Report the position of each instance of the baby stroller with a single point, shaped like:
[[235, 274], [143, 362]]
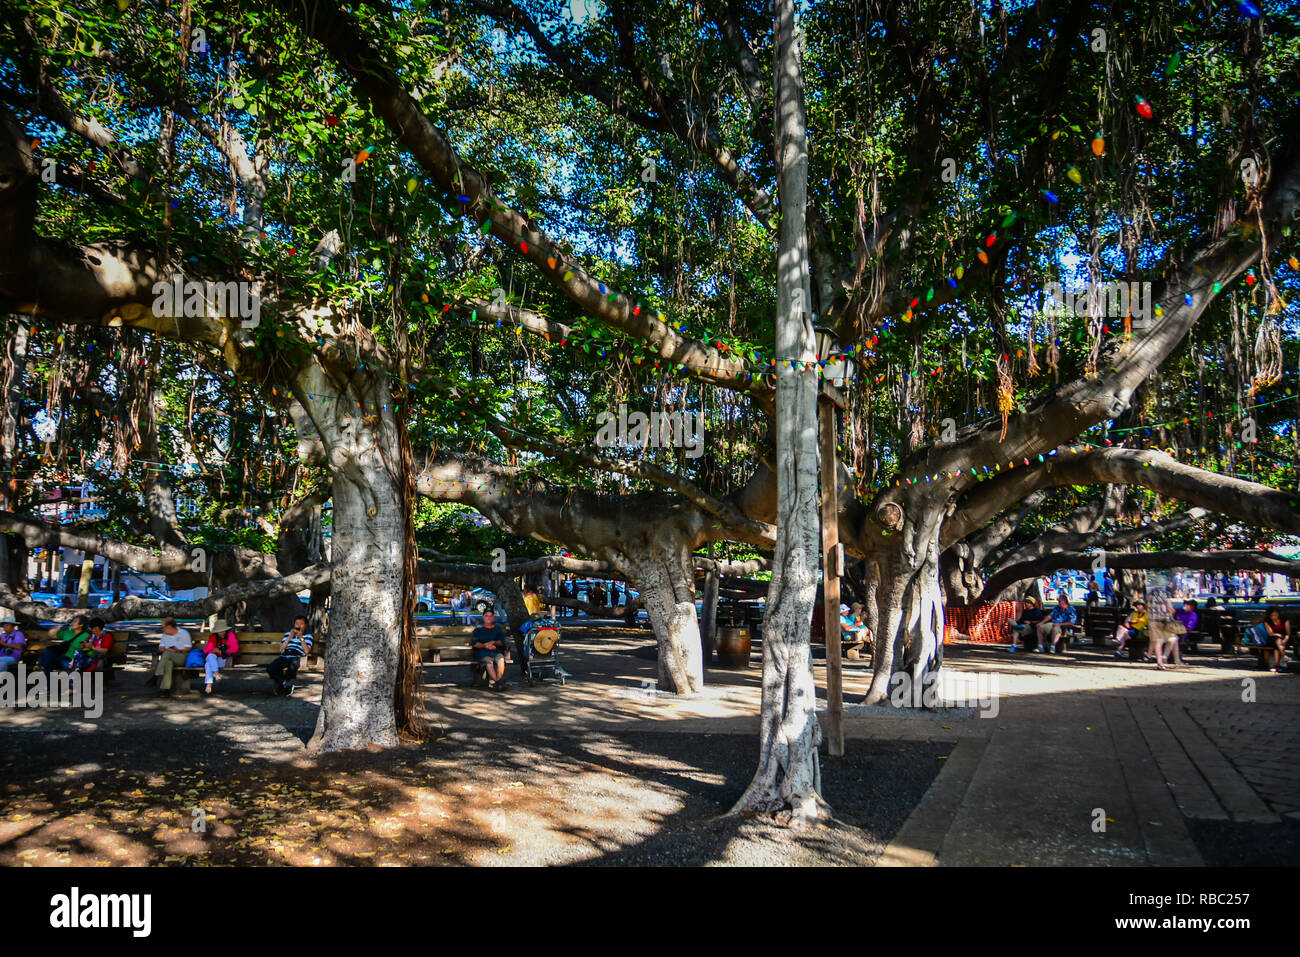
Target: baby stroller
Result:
[[538, 658]]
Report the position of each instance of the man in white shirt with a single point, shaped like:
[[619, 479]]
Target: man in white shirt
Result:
[[174, 649]]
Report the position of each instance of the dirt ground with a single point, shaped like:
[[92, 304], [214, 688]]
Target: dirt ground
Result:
[[468, 798], [602, 771]]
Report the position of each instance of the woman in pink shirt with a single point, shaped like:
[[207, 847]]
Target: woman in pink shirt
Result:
[[223, 644]]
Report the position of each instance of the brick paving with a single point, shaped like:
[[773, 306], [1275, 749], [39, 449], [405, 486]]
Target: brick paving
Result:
[[1175, 759]]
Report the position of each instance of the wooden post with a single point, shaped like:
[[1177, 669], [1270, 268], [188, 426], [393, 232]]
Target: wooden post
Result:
[[830, 579]]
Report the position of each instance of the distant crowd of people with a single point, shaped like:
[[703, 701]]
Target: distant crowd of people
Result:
[[1160, 619]]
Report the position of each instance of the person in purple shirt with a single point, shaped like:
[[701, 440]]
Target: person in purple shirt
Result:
[[12, 644], [1187, 615]]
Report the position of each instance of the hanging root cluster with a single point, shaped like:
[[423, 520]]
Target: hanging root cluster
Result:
[[406, 697], [1006, 392], [1268, 356], [1094, 347]]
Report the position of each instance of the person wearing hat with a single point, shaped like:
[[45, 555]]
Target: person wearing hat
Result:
[[1026, 624], [12, 644], [1132, 627], [222, 646]]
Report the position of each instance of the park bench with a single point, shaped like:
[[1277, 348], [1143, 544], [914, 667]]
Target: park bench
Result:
[[1290, 613], [256, 648], [116, 655], [1217, 624], [1100, 623], [260, 648], [436, 639]]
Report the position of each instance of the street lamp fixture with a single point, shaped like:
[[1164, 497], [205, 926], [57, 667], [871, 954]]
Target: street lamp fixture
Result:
[[840, 367]]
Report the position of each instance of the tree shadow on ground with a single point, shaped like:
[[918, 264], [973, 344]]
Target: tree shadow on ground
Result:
[[480, 796]]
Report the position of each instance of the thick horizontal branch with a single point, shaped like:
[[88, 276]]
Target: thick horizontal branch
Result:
[[133, 607], [37, 533], [1253, 559]]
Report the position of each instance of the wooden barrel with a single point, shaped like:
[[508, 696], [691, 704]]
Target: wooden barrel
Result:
[[733, 647]]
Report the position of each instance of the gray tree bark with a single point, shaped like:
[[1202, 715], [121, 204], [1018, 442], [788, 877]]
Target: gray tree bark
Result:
[[788, 779], [367, 581]]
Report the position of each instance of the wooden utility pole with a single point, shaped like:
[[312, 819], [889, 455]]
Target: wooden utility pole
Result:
[[831, 562]]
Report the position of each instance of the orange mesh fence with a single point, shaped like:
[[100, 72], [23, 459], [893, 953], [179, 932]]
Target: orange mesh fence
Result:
[[980, 622]]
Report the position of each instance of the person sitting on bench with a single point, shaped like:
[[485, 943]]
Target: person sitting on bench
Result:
[[1027, 622], [489, 643], [12, 645], [1131, 627], [861, 631], [173, 649], [94, 650], [295, 643], [222, 646], [1053, 630], [58, 657], [1279, 635], [1188, 618]]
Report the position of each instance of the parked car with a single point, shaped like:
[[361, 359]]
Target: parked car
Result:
[[480, 599], [96, 598]]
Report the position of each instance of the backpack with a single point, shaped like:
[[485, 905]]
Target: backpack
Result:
[[194, 659], [1257, 635]]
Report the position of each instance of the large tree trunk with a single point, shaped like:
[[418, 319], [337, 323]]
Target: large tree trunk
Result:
[[367, 582], [664, 573], [909, 607], [788, 779]]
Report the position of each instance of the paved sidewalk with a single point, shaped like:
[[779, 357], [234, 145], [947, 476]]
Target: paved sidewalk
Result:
[[1092, 761]]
